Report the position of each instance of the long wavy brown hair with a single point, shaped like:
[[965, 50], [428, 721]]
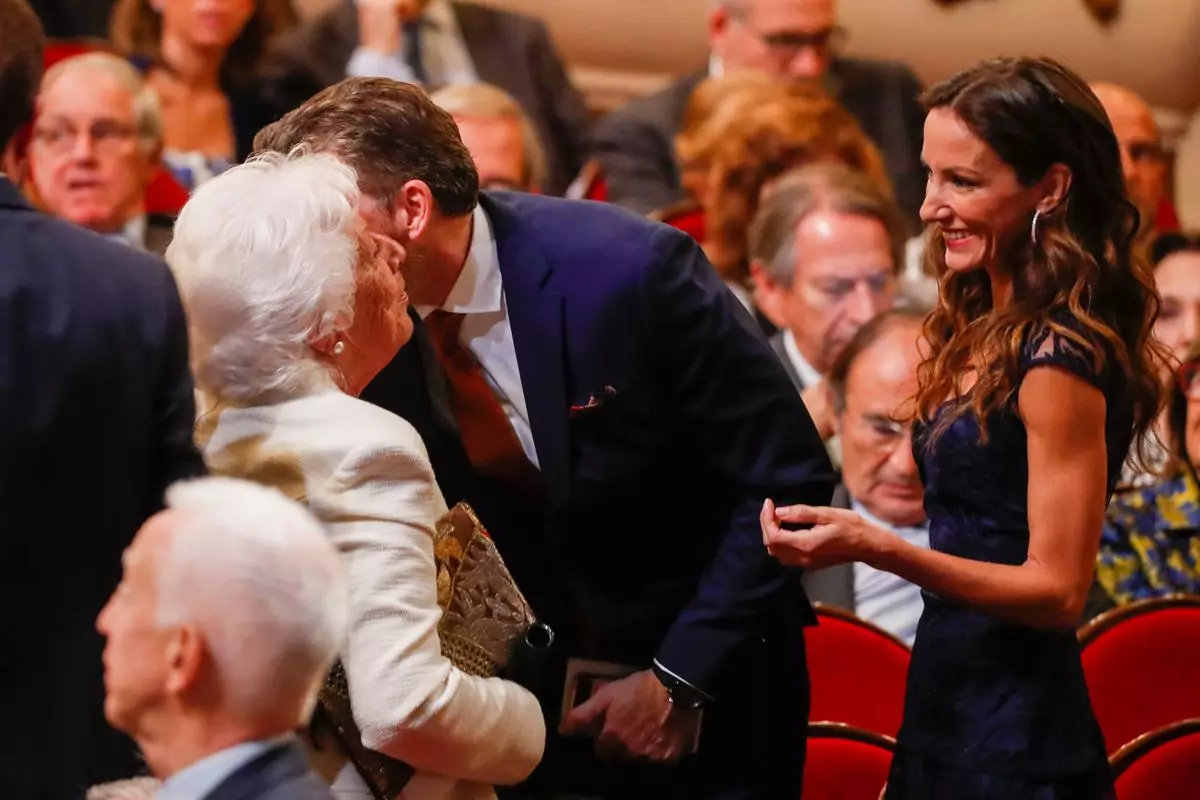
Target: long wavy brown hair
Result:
[[1034, 113], [136, 31]]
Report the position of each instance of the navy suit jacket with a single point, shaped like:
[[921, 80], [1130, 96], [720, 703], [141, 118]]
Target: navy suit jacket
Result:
[[96, 419], [647, 543], [281, 773]]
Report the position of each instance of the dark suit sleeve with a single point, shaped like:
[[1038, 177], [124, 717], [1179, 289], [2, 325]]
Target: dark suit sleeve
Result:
[[638, 160], [910, 193], [570, 121], [175, 456], [734, 399]]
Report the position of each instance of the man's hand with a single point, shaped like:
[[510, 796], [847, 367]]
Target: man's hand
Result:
[[633, 719], [380, 21]]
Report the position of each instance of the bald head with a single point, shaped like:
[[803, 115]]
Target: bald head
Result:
[[1141, 145]]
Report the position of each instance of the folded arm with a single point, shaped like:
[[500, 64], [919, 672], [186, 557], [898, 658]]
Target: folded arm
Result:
[[409, 701]]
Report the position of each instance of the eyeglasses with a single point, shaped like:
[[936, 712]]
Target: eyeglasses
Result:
[[786, 45], [107, 136]]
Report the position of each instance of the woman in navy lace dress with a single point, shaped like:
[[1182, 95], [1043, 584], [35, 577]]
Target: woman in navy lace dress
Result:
[[1041, 371]]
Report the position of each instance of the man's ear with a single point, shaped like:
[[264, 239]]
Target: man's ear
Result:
[[768, 295], [186, 654], [1055, 186], [413, 208]]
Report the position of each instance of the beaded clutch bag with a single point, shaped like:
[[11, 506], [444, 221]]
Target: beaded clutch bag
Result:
[[487, 629]]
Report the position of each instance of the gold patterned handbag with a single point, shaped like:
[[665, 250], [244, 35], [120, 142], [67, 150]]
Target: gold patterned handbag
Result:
[[487, 629]]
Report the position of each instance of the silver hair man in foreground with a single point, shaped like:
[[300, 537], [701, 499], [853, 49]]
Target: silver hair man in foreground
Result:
[[231, 608]]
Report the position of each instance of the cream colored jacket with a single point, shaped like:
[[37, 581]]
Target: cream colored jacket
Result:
[[365, 473]]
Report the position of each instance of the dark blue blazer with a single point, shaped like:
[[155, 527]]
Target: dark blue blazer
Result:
[[647, 544], [96, 418], [281, 773]]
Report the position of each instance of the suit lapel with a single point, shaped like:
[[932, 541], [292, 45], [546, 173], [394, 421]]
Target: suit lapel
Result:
[[535, 314]]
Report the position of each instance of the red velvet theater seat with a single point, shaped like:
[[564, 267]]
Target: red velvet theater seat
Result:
[[1163, 765], [686, 215], [1142, 664], [858, 672], [845, 763]]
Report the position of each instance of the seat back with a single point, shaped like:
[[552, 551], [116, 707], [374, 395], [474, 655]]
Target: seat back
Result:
[[858, 672], [590, 184], [686, 215], [845, 763], [1142, 665], [1160, 765]]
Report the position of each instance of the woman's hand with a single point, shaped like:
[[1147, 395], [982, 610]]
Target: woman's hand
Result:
[[837, 536]]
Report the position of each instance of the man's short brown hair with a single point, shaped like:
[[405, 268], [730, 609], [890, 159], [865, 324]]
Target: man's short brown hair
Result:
[[21, 43], [390, 133]]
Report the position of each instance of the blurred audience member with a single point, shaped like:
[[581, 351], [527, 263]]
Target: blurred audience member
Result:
[[231, 609], [872, 384], [440, 43], [1151, 541], [201, 59], [747, 150], [710, 107], [96, 145], [1177, 276], [281, 388], [74, 19], [131, 789], [1142, 157], [97, 422], [501, 139], [795, 41], [826, 248]]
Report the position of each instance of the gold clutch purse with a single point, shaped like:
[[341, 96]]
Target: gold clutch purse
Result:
[[487, 629]]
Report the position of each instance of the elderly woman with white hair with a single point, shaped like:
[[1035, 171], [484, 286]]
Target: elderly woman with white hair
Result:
[[293, 308]]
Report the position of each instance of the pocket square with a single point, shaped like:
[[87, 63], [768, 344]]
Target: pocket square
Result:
[[594, 401]]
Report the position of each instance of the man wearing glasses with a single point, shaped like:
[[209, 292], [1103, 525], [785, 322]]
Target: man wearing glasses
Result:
[[1142, 156], [795, 40], [96, 144], [870, 388]]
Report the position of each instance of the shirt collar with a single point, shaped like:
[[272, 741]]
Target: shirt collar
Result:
[[715, 68], [871, 519], [135, 231], [807, 372], [198, 780], [479, 288]]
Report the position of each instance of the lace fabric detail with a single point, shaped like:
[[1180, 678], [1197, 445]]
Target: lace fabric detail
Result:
[[1048, 346]]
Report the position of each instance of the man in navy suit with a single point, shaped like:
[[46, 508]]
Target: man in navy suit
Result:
[[585, 380], [96, 419]]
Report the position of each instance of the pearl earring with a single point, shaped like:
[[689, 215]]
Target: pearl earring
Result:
[[1033, 228], [339, 348]]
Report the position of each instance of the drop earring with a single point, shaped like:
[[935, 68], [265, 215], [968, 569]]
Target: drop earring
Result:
[[1033, 228], [339, 347]]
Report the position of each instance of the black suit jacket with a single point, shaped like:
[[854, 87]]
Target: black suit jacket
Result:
[[510, 50], [71, 19], [637, 142], [281, 773], [97, 421], [661, 420]]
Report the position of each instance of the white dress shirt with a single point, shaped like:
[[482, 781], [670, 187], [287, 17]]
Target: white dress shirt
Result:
[[880, 597], [444, 54], [198, 780], [479, 295]]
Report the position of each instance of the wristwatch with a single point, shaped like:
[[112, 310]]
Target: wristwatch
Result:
[[681, 693]]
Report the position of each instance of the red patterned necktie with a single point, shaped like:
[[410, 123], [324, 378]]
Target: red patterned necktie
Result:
[[487, 435]]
